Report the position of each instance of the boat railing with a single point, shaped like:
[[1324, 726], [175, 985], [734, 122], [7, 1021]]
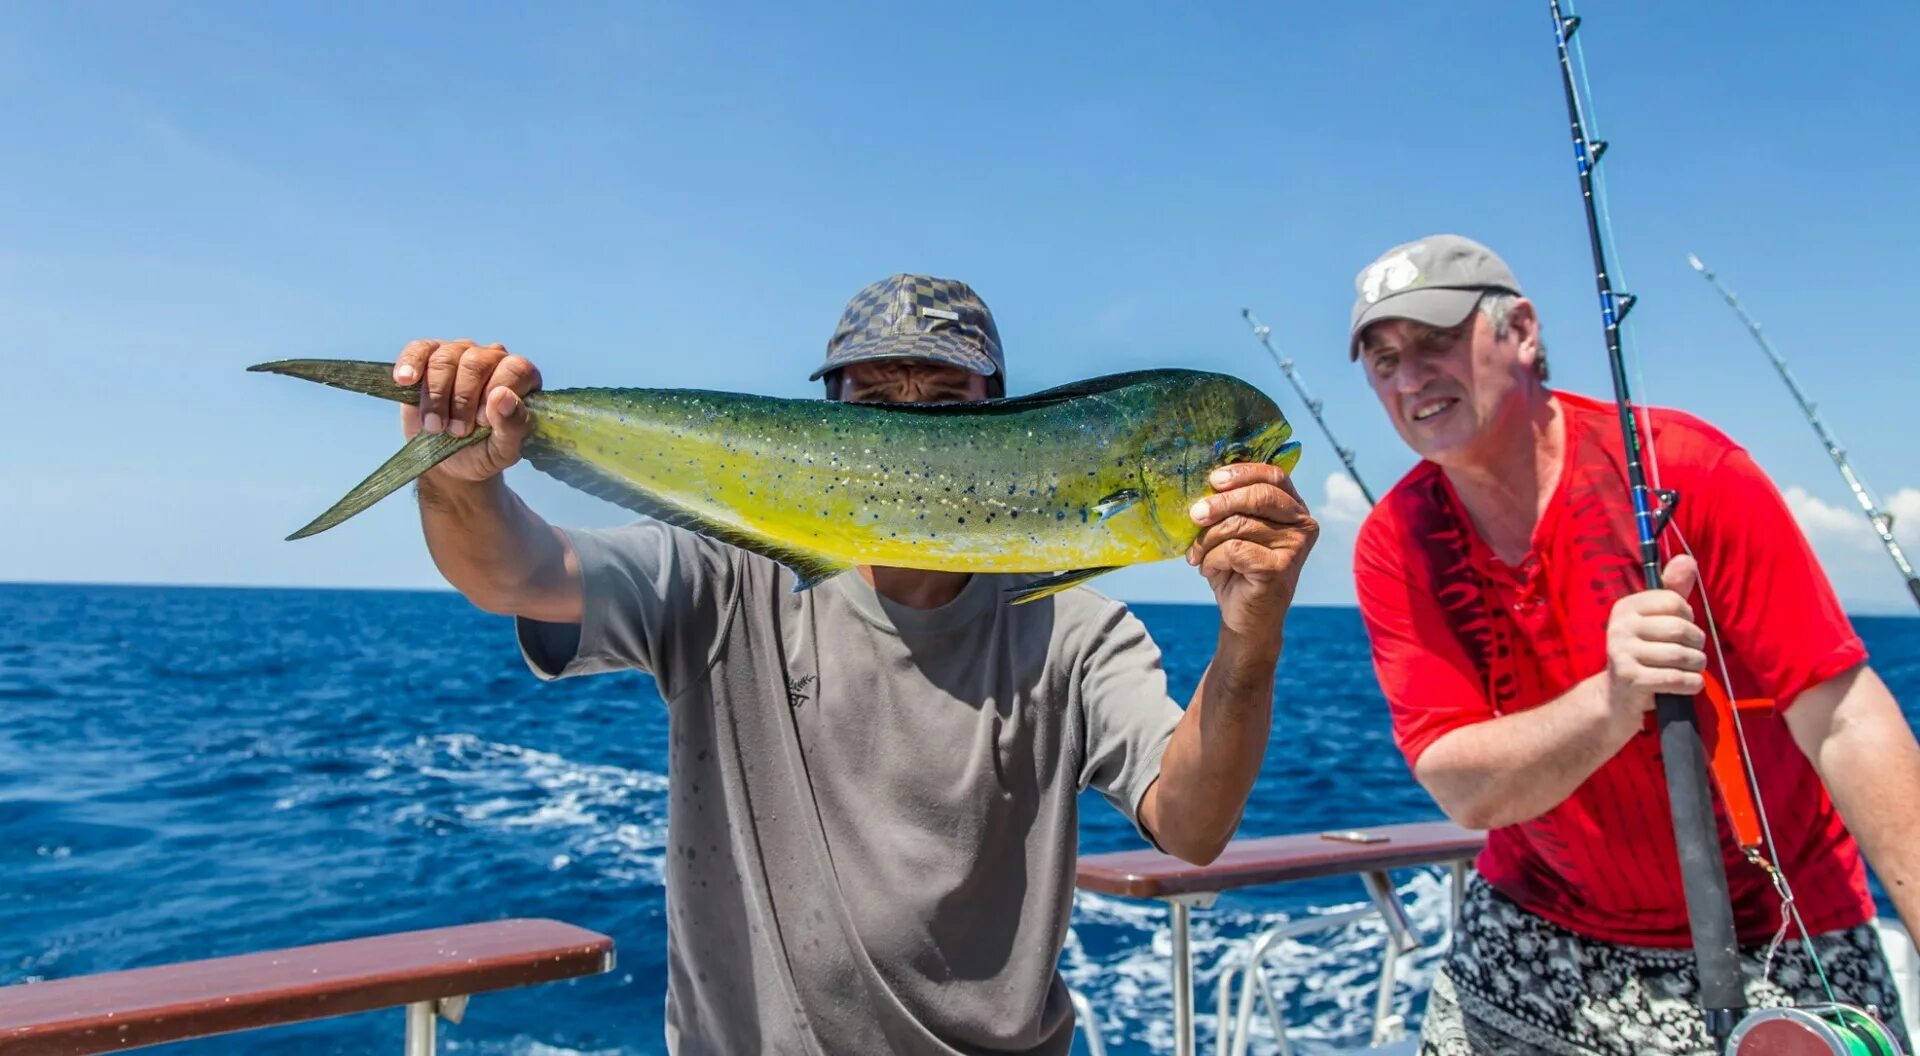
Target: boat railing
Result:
[[1367, 853], [1246, 963], [430, 973]]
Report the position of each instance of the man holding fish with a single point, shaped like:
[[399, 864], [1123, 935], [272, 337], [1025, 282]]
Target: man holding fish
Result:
[[1521, 658], [874, 780]]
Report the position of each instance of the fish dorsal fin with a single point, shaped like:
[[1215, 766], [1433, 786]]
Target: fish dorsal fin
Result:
[[1046, 397], [809, 569], [1054, 584]]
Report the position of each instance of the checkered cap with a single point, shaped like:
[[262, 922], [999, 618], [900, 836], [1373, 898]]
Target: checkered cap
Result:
[[917, 317]]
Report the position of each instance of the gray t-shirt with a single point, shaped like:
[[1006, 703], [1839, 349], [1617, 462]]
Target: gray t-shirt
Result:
[[873, 811]]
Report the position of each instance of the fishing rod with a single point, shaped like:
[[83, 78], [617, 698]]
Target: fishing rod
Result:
[[1313, 406], [1703, 874], [1732, 1028], [1882, 521]]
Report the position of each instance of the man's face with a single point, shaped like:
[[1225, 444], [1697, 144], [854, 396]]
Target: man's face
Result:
[[1448, 391], [910, 381]]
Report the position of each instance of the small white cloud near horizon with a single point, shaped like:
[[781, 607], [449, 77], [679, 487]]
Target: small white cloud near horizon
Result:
[[1851, 551], [1827, 523], [1345, 503]]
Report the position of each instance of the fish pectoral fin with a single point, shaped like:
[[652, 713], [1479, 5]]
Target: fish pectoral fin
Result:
[[1056, 583], [809, 570], [1113, 504]]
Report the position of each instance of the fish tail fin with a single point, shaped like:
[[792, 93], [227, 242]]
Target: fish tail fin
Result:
[[364, 376], [423, 452], [371, 378]]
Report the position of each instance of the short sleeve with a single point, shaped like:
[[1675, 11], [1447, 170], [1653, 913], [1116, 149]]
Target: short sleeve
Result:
[[1432, 687], [656, 599], [1128, 716], [1776, 612]]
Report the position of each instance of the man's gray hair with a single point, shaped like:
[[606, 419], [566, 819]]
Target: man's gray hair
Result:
[[1495, 304]]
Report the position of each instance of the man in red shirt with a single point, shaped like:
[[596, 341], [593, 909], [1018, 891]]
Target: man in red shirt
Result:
[[1501, 589]]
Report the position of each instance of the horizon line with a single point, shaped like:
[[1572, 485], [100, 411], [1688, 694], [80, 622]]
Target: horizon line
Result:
[[1890, 611]]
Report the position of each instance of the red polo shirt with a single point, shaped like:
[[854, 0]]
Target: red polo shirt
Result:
[[1460, 637]]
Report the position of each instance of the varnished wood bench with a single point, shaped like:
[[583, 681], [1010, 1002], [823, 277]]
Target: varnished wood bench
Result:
[[430, 972], [1368, 853]]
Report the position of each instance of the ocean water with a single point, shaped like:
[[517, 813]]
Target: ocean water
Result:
[[190, 773]]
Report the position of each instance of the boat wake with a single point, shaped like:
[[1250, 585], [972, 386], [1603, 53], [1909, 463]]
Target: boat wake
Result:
[[610, 820], [1119, 951]]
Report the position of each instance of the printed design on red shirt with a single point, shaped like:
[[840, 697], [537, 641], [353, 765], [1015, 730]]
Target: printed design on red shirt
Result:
[[1458, 588], [1600, 509]]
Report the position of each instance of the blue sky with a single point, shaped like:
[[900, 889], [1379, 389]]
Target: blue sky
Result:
[[686, 195]]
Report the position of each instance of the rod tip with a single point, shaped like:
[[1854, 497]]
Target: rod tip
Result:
[[1695, 261]]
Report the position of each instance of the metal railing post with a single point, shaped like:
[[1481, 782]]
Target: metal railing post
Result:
[[420, 1029]]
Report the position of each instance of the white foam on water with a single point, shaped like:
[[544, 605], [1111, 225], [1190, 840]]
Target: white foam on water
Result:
[[523, 1046], [1325, 982], [616, 817]]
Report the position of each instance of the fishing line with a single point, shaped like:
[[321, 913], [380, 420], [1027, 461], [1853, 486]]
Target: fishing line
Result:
[[1881, 521], [1261, 331]]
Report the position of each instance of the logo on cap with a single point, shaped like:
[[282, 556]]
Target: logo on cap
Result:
[[1390, 274]]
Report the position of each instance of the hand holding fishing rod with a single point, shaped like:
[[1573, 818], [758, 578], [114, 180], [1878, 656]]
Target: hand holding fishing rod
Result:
[[1654, 647]]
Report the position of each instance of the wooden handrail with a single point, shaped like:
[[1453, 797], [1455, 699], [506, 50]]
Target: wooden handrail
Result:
[[112, 1011], [1277, 859]]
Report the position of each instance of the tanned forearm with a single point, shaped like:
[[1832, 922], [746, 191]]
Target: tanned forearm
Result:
[[1210, 765], [1852, 730], [495, 550], [1517, 767]]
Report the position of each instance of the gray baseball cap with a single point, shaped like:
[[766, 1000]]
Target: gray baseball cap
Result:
[[917, 317], [1436, 280]]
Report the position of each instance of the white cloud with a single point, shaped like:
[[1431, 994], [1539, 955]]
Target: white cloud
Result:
[[1345, 502], [1905, 507], [1851, 551], [1829, 525]]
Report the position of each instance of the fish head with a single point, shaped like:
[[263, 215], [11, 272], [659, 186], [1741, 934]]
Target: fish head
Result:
[[1271, 442], [1210, 422]]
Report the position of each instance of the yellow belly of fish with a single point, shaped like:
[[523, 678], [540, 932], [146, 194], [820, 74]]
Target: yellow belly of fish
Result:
[[880, 508]]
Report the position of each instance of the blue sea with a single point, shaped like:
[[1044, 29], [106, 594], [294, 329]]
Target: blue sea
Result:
[[189, 773]]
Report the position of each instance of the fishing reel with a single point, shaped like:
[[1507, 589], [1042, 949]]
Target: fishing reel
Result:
[[1812, 1030]]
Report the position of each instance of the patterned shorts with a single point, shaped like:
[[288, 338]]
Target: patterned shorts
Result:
[[1516, 984]]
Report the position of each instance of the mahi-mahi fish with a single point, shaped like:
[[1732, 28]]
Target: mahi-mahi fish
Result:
[[1070, 482]]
